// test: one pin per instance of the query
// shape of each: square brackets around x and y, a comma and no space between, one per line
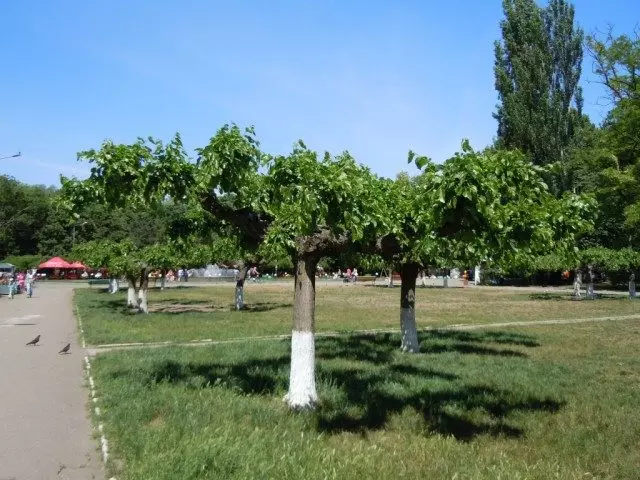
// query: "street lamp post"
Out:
[11,156]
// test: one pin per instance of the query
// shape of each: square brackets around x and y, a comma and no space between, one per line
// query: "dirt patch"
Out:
[183,308]
[157,421]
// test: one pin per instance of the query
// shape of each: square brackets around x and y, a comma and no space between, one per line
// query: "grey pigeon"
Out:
[34,341]
[66,348]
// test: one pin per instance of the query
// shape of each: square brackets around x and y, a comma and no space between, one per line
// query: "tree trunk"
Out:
[163,278]
[302,382]
[391,285]
[242,275]
[132,294]
[577,283]
[477,275]
[408,274]
[423,278]
[143,293]
[632,285]
[590,292]
[113,285]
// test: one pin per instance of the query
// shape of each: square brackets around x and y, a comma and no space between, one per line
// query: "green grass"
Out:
[538,403]
[207,312]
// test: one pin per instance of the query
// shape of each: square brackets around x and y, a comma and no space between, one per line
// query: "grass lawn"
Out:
[543,402]
[187,314]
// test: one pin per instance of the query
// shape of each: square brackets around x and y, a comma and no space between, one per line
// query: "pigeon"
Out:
[65,349]
[34,341]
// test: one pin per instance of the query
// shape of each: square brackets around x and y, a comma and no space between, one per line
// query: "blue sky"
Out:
[376,78]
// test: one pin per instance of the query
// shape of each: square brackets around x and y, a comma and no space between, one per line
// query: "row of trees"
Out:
[477,206]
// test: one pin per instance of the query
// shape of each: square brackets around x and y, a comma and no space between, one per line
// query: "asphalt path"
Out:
[45,429]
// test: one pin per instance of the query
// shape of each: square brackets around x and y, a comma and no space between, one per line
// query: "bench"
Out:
[99,281]
[362,279]
[367,278]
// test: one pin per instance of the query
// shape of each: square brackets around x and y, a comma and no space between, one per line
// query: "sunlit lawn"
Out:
[540,402]
[207,312]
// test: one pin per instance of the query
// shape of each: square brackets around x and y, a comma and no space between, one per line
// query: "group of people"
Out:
[349,276]
[20,282]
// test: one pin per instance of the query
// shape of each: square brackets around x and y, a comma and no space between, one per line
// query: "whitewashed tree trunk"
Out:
[423,278]
[143,300]
[242,275]
[590,290]
[477,275]
[132,294]
[391,285]
[632,285]
[408,273]
[302,381]
[113,285]
[163,279]
[577,283]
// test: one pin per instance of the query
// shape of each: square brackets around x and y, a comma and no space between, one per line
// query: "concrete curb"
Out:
[104,445]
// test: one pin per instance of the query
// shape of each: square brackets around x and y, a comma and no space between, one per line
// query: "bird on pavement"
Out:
[34,341]
[65,349]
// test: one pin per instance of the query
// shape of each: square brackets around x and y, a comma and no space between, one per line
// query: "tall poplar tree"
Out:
[537,71]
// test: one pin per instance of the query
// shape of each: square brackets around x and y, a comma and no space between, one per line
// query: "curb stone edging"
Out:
[104,446]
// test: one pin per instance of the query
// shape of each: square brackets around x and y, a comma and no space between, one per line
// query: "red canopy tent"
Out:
[55,262]
[78,266]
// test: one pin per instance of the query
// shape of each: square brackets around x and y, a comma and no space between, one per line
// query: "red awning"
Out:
[55,262]
[78,266]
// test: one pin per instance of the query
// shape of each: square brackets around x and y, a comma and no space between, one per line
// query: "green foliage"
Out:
[537,69]
[130,176]
[229,164]
[489,206]
[608,260]
[617,62]
[24,262]
[307,195]
[24,211]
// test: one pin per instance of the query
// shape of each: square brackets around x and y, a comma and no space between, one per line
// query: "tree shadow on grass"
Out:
[502,337]
[264,306]
[365,382]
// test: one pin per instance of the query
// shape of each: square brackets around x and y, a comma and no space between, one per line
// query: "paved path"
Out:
[45,431]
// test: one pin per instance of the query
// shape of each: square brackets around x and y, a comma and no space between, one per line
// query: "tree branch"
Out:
[251,224]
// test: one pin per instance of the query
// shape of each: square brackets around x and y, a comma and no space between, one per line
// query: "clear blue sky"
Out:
[376,78]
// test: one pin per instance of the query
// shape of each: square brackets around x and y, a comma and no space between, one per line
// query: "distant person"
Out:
[254,274]
[12,286]
[20,280]
[29,281]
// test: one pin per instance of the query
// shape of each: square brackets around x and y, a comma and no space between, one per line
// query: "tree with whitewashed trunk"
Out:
[229,187]
[125,260]
[319,207]
[480,205]
[135,177]
[97,255]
